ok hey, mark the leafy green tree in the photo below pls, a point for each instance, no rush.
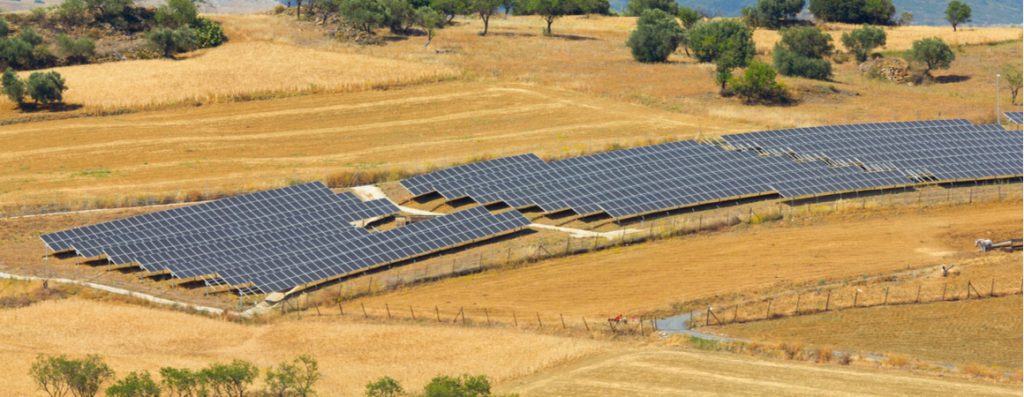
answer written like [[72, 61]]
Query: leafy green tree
[[15, 52], [853, 11], [906, 19], [364, 15], [484, 8], [688, 16], [180, 382], [14, 89], [637, 7], [757, 84], [463, 386], [958, 12], [709, 40], [171, 41], [91, 372], [656, 36], [76, 50], [549, 10], [110, 11], [430, 20], [1013, 77], [52, 374], [384, 387], [862, 41], [136, 384], [294, 379], [399, 15], [231, 379], [5, 28], [801, 52], [30, 36], [772, 13], [450, 8], [932, 52], [177, 13]]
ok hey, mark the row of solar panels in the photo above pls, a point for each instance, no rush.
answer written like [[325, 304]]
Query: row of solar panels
[[792, 163], [1016, 117], [275, 239]]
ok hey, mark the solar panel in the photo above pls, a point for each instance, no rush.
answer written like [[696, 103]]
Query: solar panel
[[1016, 117]]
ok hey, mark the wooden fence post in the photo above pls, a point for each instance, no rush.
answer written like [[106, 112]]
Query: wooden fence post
[[317, 307], [707, 317], [944, 291], [437, 313], [387, 309], [735, 312], [828, 299], [463, 314], [768, 314], [992, 289], [341, 310], [797, 311], [515, 321], [539, 323], [641, 326], [411, 312], [918, 299], [885, 301], [856, 293], [488, 315], [585, 323], [364, 309]]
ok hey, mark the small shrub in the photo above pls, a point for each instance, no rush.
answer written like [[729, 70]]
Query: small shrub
[[980, 371], [208, 33], [73, 13], [861, 42], [705, 344], [177, 13], [296, 378], [171, 41], [637, 8], [136, 384], [15, 52], [76, 50], [793, 351], [5, 29], [46, 87], [30, 36], [757, 84], [931, 52], [801, 52], [656, 37], [843, 358], [463, 386], [181, 382], [384, 387], [823, 355]]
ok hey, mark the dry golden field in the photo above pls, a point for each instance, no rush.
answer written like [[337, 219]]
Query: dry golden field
[[986, 331], [652, 276], [350, 355], [668, 372]]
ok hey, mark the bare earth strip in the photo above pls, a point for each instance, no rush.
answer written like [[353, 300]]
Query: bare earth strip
[[980, 331], [654, 275], [684, 373]]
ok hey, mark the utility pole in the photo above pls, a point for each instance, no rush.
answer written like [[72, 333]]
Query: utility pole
[[997, 98]]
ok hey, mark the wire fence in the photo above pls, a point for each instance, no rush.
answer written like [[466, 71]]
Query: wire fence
[[541, 246], [800, 303]]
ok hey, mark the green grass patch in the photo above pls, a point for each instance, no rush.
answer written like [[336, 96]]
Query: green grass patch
[[93, 173]]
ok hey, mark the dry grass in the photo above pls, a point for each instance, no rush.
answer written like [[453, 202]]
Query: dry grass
[[900, 38], [688, 373], [350, 354], [247, 69], [981, 331], [637, 279]]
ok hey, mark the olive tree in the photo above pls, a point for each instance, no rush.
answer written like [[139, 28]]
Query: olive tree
[[958, 12], [549, 10], [801, 52], [863, 40], [772, 13], [430, 20], [933, 53], [757, 84], [656, 36], [1013, 77], [484, 8]]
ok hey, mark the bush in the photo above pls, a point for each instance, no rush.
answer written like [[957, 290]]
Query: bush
[[58, 375], [30, 36], [757, 84], [932, 52], [384, 387], [636, 8], [15, 52], [14, 87], [879, 12], [136, 384], [709, 40], [48, 88], [230, 379], [171, 41], [772, 13], [656, 37], [208, 33], [801, 52], [177, 13], [688, 16], [293, 379], [862, 41], [110, 11], [463, 386], [399, 15], [73, 13], [180, 382], [76, 50], [5, 28]]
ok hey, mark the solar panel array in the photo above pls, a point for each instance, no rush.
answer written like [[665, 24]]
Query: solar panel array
[[1016, 117], [793, 163], [275, 239]]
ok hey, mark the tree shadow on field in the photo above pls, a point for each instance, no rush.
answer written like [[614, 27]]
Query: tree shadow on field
[[953, 78], [510, 34], [572, 37], [53, 108]]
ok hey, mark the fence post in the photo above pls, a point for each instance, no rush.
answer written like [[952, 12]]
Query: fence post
[[828, 299], [797, 311], [768, 314], [691, 319], [700, 223], [412, 313], [341, 310], [735, 312], [707, 317], [641, 326], [387, 309], [508, 257], [992, 289], [918, 299], [364, 309], [885, 301], [488, 315], [944, 291], [437, 313], [539, 323], [856, 293], [560, 316], [568, 239], [585, 323], [515, 321], [463, 314]]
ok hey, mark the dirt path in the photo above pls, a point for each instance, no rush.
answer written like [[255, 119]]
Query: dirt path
[[686, 373]]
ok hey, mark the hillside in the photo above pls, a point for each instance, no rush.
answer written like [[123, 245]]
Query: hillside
[[985, 12]]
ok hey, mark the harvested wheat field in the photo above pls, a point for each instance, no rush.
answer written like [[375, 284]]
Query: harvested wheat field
[[131, 338], [986, 331], [686, 373], [651, 276]]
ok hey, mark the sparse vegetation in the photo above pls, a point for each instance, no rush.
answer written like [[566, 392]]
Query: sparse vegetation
[[772, 13], [386, 386], [136, 384], [757, 84], [1013, 78]]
